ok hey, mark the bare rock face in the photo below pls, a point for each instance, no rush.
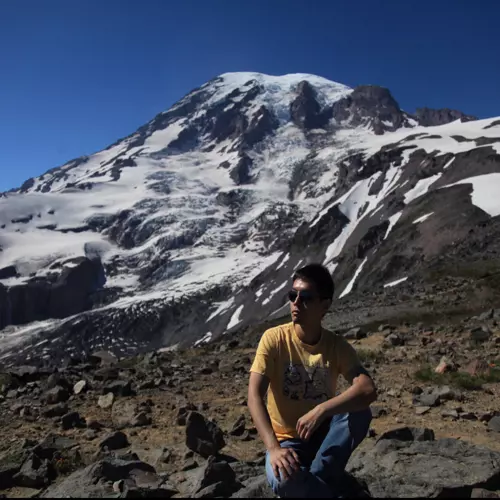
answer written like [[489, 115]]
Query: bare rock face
[[431, 117], [369, 104]]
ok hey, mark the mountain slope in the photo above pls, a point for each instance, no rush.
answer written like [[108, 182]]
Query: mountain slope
[[192, 225]]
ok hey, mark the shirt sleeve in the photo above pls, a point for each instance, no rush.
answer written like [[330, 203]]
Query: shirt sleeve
[[266, 355], [348, 361]]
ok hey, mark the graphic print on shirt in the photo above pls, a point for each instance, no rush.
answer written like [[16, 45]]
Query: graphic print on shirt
[[305, 383]]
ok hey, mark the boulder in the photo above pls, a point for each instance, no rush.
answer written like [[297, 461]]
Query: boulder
[[431, 468], [211, 473], [114, 441], [53, 444], [56, 395], [71, 420], [118, 388], [203, 436], [135, 478], [103, 358], [57, 410], [35, 472], [494, 424], [480, 334]]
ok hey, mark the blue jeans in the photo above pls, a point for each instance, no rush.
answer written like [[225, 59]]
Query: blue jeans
[[323, 458]]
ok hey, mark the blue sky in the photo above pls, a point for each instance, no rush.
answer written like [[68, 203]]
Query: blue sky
[[77, 75]]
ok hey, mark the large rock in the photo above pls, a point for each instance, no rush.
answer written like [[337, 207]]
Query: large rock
[[409, 468], [212, 473], [114, 441], [202, 436], [56, 395], [96, 481], [35, 472]]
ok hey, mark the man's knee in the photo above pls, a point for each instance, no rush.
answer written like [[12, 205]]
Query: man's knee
[[291, 487]]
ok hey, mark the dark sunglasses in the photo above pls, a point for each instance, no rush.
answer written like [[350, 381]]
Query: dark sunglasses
[[304, 296]]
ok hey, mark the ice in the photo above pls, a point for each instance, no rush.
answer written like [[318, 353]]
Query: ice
[[423, 218], [350, 285], [396, 282], [485, 192]]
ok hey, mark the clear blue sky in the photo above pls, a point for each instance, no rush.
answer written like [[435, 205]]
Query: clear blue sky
[[75, 75]]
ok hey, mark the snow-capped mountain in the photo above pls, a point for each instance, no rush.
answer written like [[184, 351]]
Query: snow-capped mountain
[[192, 225]]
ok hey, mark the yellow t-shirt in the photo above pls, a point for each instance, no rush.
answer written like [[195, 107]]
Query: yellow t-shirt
[[301, 376]]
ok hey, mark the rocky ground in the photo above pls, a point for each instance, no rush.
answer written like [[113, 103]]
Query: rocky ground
[[176, 424]]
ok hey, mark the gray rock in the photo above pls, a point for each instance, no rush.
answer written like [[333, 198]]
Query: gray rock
[[57, 410], [393, 339], [238, 427], [450, 413], [256, 487], [96, 481], [203, 436], [71, 420], [114, 441], [80, 386], [103, 358], [378, 411], [355, 334], [482, 493], [182, 413], [56, 395], [106, 401], [427, 399], [7, 473], [394, 468], [212, 472], [141, 419], [52, 444], [34, 473], [118, 388], [409, 434], [421, 410], [494, 424], [480, 334]]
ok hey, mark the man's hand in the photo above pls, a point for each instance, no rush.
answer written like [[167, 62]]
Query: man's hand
[[284, 460], [307, 424]]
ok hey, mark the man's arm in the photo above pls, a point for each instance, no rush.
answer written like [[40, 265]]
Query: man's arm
[[359, 396], [257, 389], [284, 461]]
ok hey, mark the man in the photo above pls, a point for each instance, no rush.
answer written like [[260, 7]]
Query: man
[[309, 432]]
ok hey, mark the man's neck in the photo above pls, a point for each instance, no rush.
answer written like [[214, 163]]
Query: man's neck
[[309, 334]]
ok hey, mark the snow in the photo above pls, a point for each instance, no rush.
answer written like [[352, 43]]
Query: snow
[[421, 187], [350, 285], [285, 259], [278, 91], [206, 338], [221, 307], [396, 282], [393, 220], [485, 192], [235, 318], [274, 292], [423, 218]]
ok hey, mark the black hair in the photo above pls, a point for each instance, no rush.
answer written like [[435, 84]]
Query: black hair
[[319, 276]]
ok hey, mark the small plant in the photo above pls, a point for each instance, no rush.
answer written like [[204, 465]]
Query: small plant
[[370, 355], [463, 380]]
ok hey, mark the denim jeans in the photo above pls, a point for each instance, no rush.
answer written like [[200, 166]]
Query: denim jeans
[[323, 458]]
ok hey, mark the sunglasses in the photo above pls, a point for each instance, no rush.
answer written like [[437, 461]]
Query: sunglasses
[[304, 296]]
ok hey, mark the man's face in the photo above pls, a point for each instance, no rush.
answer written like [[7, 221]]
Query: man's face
[[307, 306]]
